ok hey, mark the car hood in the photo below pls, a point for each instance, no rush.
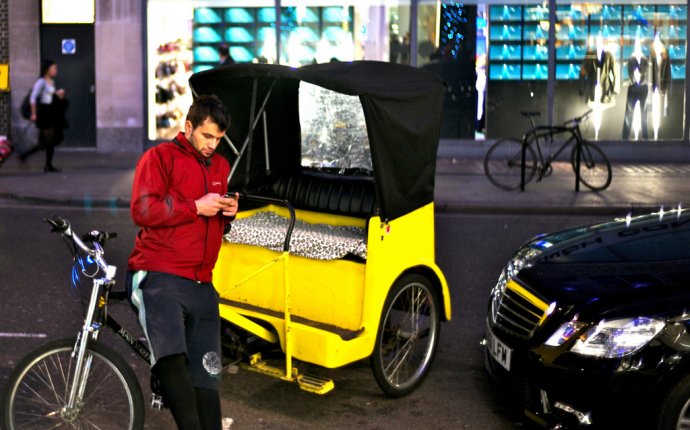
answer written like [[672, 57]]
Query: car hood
[[634, 265]]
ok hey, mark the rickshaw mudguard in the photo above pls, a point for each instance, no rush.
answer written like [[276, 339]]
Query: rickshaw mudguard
[[395, 248]]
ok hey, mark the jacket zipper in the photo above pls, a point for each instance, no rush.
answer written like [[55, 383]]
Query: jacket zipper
[[204, 170]]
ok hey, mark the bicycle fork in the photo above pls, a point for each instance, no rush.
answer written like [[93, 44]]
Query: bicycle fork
[[82, 368]]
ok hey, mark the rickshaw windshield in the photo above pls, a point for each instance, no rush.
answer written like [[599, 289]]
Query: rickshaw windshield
[[334, 131]]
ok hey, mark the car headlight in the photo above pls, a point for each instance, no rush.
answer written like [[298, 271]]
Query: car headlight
[[616, 338]]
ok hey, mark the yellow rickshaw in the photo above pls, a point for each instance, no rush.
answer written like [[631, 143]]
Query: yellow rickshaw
[[331, 257]]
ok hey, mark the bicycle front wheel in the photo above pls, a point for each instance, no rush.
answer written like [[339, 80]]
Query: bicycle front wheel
[[595, 169], [38, 390], [503, 163]]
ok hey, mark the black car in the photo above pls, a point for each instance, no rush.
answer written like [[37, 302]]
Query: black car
[[589, 327]]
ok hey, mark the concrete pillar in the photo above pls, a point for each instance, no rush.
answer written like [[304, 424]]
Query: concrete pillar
[[119, 76], [24, 58]]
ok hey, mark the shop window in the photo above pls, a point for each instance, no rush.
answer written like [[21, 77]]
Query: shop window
[[248, 32], [518, 65], [621, 61], [315, 34]]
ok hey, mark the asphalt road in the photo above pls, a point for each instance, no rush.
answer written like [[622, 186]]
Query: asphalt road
[[38, 304]]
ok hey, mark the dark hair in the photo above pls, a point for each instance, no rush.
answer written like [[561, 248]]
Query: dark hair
[[209, 107], [224, 50], [45, 66]]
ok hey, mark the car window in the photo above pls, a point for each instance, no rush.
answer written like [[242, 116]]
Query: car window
[[334, 133]]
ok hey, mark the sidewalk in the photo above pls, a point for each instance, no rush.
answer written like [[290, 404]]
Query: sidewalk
[[93, 179]]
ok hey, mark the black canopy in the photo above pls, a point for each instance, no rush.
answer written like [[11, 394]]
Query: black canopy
[[401, 104]]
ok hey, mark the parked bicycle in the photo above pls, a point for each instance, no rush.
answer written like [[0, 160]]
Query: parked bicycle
[[511, 163], [79, 384]]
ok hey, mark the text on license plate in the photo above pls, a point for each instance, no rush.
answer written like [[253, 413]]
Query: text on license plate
[[498, 350]]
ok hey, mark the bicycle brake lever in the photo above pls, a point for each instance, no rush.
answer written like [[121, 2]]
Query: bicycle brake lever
[[59, 225]]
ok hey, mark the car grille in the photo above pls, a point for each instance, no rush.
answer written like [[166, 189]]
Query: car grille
[[518, 311]]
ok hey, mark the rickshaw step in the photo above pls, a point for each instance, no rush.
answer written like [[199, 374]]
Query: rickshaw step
[[310, 383], [315, 384]]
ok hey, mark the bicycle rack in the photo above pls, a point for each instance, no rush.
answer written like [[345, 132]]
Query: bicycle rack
[[551, 131]]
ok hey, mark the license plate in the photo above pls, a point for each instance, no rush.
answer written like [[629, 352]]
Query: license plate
[[498, 350]]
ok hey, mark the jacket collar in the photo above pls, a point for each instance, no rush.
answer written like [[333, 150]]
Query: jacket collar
[[181, 141]]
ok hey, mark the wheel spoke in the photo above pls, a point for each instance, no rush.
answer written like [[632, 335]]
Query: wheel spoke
[[399, 357], [503, 163], [41, 386], [406, 343], [595, 170]]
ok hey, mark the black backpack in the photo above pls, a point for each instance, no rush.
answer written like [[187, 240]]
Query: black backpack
[[25, 108]]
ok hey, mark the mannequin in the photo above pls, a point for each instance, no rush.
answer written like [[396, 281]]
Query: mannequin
[[638, 67], [599, 81], [661, 81], [598, 68]]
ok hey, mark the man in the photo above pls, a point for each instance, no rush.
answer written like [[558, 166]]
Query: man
[[178, 202], [225, 57]]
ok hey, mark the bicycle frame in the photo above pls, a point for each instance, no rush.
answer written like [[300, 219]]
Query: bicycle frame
[[93, 322], [543, 131]]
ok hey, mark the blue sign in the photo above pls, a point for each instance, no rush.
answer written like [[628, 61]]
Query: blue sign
[[69, 46]]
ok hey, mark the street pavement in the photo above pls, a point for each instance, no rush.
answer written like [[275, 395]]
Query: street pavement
[[39, 305], [94, 179]]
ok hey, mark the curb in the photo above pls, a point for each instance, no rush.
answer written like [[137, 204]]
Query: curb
[[441, 207], [114, 202]]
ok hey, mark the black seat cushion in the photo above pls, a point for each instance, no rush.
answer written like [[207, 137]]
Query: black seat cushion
[[326, 192]]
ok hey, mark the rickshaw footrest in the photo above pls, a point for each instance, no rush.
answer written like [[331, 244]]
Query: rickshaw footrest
[[315, 384]]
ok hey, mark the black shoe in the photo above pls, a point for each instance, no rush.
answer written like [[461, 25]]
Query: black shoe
[[51, 169]]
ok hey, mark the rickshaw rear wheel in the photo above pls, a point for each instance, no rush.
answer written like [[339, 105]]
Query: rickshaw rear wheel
[[407, 336]]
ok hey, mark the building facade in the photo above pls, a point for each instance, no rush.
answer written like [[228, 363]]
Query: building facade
[[626, 60]]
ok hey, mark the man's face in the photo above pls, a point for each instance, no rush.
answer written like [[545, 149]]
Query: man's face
[[205, 137]]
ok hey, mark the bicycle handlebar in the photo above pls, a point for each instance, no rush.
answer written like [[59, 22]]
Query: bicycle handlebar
[[63, 227], [98, 236], [577, 120]]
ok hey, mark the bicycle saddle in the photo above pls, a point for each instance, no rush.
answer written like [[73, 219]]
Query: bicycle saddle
[[529, 114]]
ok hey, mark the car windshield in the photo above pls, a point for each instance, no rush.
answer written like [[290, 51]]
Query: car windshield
[[334, 133]]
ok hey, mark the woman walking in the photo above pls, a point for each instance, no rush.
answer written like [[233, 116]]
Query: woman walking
[[48, 106]]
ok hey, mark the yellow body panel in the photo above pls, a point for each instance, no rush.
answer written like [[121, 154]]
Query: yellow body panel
[[340, 293], [329, 292]]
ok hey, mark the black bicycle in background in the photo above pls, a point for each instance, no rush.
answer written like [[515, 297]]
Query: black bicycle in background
[[511, 163]]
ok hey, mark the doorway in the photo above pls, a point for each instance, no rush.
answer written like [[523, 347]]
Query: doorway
[[72, 47]]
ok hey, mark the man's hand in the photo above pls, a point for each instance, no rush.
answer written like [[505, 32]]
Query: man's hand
[[230, 210], [212, 203]]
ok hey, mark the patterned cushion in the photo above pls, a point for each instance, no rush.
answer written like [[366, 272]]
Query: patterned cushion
[[317, 241]]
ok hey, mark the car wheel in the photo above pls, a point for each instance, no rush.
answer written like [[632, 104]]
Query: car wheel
[[675, 410]]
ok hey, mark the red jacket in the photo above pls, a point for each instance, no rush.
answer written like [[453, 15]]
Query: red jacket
[[173, 238]]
